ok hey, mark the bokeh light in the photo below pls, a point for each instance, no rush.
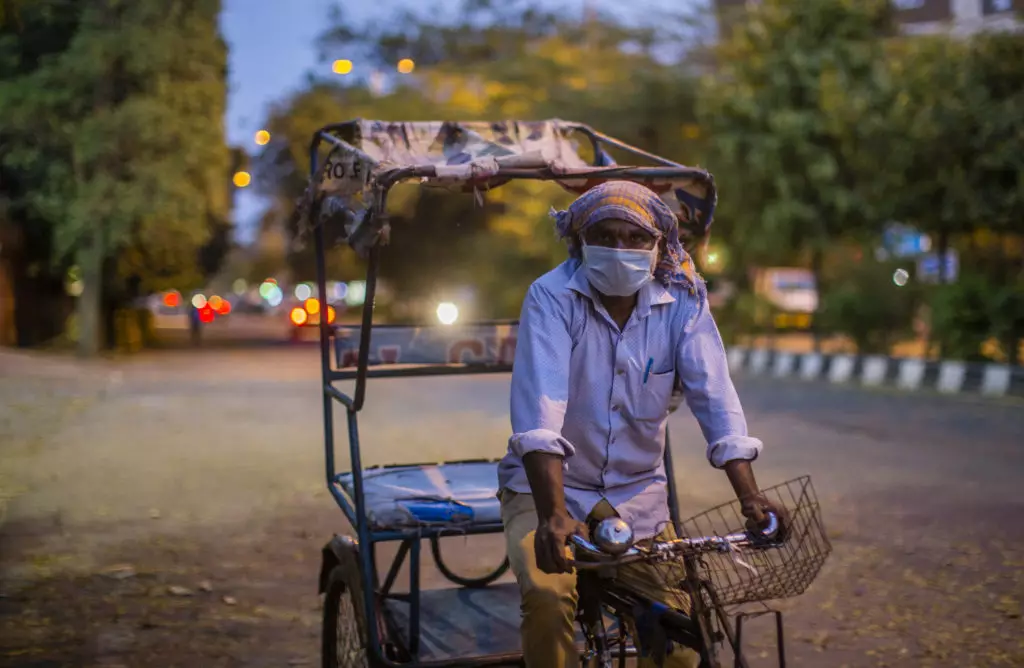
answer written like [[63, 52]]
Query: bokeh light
[[242, 179], [356, 294], [215, 302], [206, 314], [298, 316], [266, 288], [330, 314], [900, 277], [262, 138], [75, 286], [225, 307], [312, 306], [303, 292], [447, 313], [172, 299], [275, 296], [239, 286], [341, 66], [198, 300], [406, 66]]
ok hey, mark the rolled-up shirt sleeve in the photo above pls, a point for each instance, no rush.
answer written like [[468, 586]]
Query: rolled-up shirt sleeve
[[540, 377], [703, 371]]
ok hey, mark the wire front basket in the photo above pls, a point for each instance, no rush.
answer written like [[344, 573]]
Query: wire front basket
[[750, 575]]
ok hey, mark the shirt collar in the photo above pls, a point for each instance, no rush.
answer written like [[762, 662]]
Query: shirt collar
[[652, 294]]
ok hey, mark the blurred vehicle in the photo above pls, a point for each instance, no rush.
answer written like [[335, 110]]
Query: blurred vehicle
[[306, 314], [444, 306], [792, 293]]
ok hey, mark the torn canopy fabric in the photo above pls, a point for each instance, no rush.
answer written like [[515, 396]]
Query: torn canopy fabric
[[370, 156]]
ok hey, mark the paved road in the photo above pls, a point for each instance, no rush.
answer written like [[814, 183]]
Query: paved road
[[204, 470]]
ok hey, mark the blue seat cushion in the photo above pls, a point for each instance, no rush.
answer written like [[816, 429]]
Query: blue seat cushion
[[459, 494]]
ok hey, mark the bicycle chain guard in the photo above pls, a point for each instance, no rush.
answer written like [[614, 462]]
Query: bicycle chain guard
[[652, 638]]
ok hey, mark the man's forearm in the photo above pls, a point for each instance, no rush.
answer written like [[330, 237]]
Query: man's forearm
[[544, 473], [741, 476]]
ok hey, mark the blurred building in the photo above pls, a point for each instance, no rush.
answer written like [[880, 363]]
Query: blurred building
[[921, 16]]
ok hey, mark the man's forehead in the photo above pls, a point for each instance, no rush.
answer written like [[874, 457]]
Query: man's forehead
[[617, 225]]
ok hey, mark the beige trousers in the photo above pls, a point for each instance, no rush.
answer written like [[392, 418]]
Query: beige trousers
[[549, 600]]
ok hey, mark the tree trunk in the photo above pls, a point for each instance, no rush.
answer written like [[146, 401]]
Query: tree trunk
[[817, 261], [90, 262], [91, 321], [941, 250], [8, 330]]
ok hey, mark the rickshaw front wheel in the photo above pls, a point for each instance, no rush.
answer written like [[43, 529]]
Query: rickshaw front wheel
[[344, 629]]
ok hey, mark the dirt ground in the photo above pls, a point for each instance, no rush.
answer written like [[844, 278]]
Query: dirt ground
[[170, 510]]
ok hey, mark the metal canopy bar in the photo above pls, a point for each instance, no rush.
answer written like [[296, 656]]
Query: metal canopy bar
[[547, 174], [599, 138], [474, 343], [424, 370]]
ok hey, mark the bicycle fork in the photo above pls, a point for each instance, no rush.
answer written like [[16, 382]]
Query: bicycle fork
[[591, 618]]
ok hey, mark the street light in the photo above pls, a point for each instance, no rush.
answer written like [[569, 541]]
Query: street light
[[242, 179], [406, 66], [262, 138], [447, 313], [341, 66]]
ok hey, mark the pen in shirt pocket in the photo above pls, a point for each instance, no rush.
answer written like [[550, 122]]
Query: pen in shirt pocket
[[647, 371]]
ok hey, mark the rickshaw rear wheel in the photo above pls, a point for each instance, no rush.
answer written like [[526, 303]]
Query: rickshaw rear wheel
[[344, 627], [474, 583]]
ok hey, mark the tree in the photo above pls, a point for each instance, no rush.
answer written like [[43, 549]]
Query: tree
[[997, 66], [135, 158], [931, 128], [955, 173], [28, 38], [792, 111]]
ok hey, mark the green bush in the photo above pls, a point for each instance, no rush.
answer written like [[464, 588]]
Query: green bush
[[968, 313], [743, 314], [863, 302]]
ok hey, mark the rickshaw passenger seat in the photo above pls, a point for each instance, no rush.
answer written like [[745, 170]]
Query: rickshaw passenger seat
[[461, 493]]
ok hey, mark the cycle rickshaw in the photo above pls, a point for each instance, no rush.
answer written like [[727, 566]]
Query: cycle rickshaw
[[476, 623]]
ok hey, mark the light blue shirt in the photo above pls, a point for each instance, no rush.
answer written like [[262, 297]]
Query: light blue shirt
[[581, 390]]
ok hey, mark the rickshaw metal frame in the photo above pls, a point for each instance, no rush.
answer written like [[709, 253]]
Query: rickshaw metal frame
[[354, 507]]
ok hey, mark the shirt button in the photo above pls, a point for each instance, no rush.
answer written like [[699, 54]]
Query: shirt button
[[615, 408]]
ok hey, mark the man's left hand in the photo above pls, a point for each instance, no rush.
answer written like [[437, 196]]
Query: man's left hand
[[756, 508]]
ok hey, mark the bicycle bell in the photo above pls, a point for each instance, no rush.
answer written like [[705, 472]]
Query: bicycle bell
[[613, 536]]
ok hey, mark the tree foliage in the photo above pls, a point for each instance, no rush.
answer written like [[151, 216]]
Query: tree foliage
[[119, 133], [797, 84]]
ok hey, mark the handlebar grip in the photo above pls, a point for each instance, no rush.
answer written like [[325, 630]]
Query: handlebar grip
[[773, 527], [580, 541]]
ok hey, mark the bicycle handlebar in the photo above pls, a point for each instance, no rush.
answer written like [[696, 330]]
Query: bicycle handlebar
[[765, 538]]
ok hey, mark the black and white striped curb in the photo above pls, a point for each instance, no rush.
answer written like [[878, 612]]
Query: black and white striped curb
[[906, 373]]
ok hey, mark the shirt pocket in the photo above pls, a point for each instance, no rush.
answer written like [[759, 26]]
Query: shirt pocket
[[655, 395]]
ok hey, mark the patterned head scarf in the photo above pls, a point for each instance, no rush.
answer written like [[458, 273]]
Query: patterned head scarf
[[641, 206]]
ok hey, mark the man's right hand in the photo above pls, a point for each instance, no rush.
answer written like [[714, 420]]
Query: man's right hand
[[552, 536]]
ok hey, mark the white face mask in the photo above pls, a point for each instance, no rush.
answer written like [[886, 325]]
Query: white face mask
[[618, 272]]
